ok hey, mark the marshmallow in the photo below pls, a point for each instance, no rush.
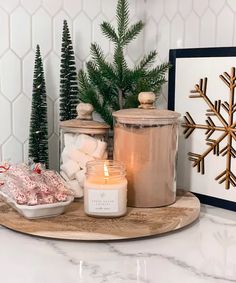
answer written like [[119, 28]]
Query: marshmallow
[[100, 150], [65, 152], [86, 144], [70, 168], [80, 157], [69, 139], [80, 177], [64, 176], [76, 188], [64, 157]]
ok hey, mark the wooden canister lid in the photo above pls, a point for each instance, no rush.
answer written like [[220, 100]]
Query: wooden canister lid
[[140, 114], [86, 125], [146, 113], [146, 116], [90, 124]]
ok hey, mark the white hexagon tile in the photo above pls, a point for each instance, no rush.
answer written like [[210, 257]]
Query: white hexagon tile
[[5, 118], [92, 8], [136, 48], [72, 7], [177, 32], [57, 30], [20, 31], [52, 6], [4, 26], [208, 28], [30, 6], [20, 117], [10, 75], [96, 34], [109, 9], [42, 31], [82, 35], [192, 27], [25, 23], [225, 27], [28, 73], [150, 42]]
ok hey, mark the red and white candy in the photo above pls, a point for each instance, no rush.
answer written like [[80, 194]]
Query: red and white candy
[[29, 187]]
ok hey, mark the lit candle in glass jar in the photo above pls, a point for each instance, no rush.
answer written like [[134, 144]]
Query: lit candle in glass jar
[[105, 189]]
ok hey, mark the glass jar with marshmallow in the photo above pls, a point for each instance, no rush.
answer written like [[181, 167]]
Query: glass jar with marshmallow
[[81, 140]]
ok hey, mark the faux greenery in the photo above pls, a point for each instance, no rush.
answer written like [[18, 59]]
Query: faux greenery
[[113, 86], [68, 76], [38, 139]]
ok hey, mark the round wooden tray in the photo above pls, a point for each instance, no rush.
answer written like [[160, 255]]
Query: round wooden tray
[[75, 225]]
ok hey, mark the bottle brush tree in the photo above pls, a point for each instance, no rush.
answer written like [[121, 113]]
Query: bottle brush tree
[[68, 78], [110, 86], [38, 138]]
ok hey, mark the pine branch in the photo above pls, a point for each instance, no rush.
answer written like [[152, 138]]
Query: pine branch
[[147, 60], [100, 61], [120, 64], [101, 108], [97, 53], [99, 82], [113, 86], [132, 33], [132, 77], [109, 32], [122, 16], [158, 72], [84, 85], [132, 101]]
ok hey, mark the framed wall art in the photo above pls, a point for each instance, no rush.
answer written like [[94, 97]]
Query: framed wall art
[[202, 85]]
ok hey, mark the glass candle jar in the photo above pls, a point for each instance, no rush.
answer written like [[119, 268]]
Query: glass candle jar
[[105, 189]]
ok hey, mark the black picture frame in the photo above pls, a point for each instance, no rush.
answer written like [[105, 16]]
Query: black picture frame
[[174, 54]]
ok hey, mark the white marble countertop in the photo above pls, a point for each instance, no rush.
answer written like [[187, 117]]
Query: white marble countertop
[[203, 252]]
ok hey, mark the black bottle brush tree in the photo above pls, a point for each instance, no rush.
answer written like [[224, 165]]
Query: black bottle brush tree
[[113, 86], [68, 84], [38, 138]]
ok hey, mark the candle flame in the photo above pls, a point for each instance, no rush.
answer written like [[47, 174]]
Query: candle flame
[[106, 173]]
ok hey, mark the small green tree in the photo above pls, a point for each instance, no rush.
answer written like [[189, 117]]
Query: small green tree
[[113, 86], [68, 76], [38, 139]]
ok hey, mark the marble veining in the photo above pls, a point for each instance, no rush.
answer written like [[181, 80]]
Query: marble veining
[[201, 253], [173, 260]]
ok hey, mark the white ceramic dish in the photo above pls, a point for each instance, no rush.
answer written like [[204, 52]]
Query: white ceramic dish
[[38, 211]]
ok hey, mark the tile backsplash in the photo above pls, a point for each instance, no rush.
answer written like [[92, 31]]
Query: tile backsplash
[[25, 23]]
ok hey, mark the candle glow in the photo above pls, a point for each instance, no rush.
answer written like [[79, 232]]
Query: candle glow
[[106, 172]]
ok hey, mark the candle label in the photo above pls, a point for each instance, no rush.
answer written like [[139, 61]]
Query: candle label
[[103, 200]]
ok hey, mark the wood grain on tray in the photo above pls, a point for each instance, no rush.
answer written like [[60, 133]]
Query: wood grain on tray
[[75, 225]]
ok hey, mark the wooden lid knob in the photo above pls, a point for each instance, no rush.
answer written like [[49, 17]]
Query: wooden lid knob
[[84, 111], [147, 100]]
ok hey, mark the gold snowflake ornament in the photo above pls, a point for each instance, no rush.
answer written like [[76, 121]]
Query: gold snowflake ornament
[[227, 128]]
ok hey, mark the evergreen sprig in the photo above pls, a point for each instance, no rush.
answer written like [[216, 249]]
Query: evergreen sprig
[[68, 84], [113, 86], [38, 139]]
